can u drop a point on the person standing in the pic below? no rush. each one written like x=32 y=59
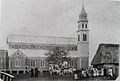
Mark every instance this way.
x=110 y=72
x=80 y=74
x=92 y=73
x=102 y=71
x=36 y=72
x=75 y=75
x=32 y=72
x=105 y=72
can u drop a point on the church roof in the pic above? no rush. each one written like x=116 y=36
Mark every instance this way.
x=36 y=53
x=106 y=53
x=41 y=39
x=17 y=52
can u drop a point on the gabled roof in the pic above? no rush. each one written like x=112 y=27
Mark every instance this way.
x=106 y=53
x=16 y=52
x=41 y=39
x=28 y=53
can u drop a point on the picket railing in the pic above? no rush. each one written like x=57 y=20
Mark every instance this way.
x=5 y=76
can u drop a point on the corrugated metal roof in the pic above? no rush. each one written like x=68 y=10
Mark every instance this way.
x=106 y=53
x=41 y=39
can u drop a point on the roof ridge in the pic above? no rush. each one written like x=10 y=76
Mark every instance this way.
x=109 y=44
x=42 y=36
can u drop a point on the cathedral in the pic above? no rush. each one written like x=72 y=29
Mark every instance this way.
x=26 y=51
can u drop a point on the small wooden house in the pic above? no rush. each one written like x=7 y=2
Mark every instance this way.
x=17 y=62
x=107 y=56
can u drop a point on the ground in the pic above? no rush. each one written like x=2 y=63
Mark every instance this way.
x=56 y=78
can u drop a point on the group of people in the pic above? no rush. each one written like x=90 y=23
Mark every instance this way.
x=55 y=69
x=34 y=72
x=93 y=72
x=77 y=74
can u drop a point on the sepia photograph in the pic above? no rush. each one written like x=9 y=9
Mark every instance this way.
x=59 y=40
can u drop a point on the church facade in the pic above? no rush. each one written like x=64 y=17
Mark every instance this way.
x=26 y=51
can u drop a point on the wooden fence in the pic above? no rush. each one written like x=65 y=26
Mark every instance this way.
x=5 y=76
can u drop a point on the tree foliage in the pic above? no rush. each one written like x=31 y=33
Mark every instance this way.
x=57 y=55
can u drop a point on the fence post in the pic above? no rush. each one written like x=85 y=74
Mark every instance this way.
x=7 y=78
x=3 y=77
x=10 y=79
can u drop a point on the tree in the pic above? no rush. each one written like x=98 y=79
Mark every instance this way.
x=57 y=55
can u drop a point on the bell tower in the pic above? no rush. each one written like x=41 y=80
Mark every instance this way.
x=83 y=39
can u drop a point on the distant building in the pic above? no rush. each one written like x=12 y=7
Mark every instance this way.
x=4 y=60
x=107 y=56
x=26 y=51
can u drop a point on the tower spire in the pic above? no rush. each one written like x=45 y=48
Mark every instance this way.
x=83 y=9
x=82 y=3
x=83 y=13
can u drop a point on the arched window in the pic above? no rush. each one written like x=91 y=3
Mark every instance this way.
x=85 y=25
x=78 y=37
x=33 y=62
x=84 y=37
x=42 y=63
x=17 y=63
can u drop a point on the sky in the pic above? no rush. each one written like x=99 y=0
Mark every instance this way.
x=59 y=18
